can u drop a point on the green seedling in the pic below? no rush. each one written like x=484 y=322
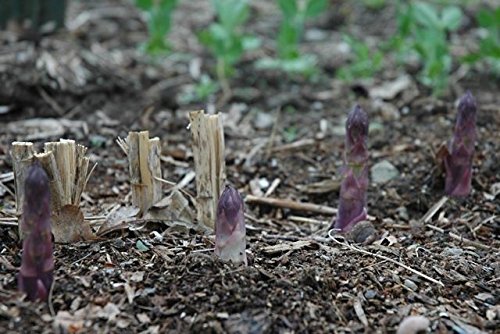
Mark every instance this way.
x=225 y=38
x=159 y=18
x=365 y=62
x=201 y=91
x=295 y=13
x=423 y=30
x=489 y=45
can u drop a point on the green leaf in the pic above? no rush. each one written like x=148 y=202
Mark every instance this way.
x=426 y=15
x=144 y=4
x=250 y=42
x=315 y=7
x=485 y=18
x=288 y=39
x=289 y=8
x=451 y=17
x=231 y=13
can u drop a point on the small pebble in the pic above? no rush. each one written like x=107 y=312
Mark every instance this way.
x=383 y=171
x=411 y=285
x=450 y=251
x=413 y=325
x=263 y=121
x=403 y=213
x=362 y=232
x=370 y=294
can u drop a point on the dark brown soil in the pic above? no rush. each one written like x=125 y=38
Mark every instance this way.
x=95 y=77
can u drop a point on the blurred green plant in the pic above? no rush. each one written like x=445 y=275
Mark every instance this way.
x=365 y=62
x=423 y=30
x=159 y=19
x=374 y=4
x=225 y=38
x=201 y=91
x=489 y=45
x=295 y=13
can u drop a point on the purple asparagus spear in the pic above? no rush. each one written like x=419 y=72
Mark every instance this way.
x=37 y=263
x=352 y=204
x=230 y=229
x=458 y=160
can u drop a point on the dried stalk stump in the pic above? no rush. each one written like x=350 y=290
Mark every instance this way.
x=144 y=156
x=210 y=166
x=22 y=157
x=144 y=169
x=68 y=170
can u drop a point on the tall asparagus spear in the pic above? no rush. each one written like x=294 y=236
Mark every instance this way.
x=37 y=266
x=352 y=204
x=458 y=159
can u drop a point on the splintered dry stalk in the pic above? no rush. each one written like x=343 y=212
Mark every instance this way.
x=357 y=249
x=144 y=168
x=352 y=203
x=230 y=229
x=458 y=158
x=37 y=264
x=22 y=157
x=210 y=166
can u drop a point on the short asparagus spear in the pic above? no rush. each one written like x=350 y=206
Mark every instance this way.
x=37 y=266
x=352 y=204
x=458 y=159
x=230 y=229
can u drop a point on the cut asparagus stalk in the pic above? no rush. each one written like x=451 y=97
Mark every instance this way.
x=67 y=169
x=210 y=167
x=22 y=158
x=145 y=169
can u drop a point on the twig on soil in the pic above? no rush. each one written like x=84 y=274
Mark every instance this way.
x=360 y=312
x=432 y=211
x=307 y=220
x=294 y=238
x=435 y=208
x=123 y=145
x=51 y=102
x=7 y=189
x=354 y=248
x=289 y=204
x=51 y=304
x=469 y=242
x=274 y=130
x=276 y=182
x=168 y=159
x=297 y=145
x=8 y=223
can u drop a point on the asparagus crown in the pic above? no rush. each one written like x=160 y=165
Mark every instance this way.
x=465 y=127
x=37 y=197
x=356 y=137
x=460 y=153
x=229 y=210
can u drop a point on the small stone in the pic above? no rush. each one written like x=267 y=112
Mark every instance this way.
x=263 y=121
x=411 y=285
x=370 y=294
x=383 y=172
x=263 y=183
x=413 y=325
x=362 y=232
x=403 y=213
x=451 y=251
x=315 y=35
